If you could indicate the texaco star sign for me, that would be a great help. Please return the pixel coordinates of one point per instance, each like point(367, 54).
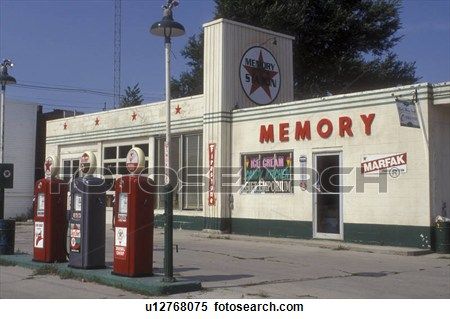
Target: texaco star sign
point(260, 75)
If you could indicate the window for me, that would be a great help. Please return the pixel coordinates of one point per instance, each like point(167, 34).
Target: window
point(192, 179)
point(144, 148)
point(267, 172)
point(186, 160)
point(123, 150)
point(70, 169)
point(110, 153)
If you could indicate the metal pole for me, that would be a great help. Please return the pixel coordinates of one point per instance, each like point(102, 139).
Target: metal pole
point(168, 207)
point(168, 235)
point(2, 120)
point(2, 148)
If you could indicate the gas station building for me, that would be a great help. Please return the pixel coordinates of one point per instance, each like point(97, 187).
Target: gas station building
point(254, 149)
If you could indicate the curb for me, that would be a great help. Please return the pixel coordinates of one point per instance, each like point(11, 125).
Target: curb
point(149, 286)
point(320, 243)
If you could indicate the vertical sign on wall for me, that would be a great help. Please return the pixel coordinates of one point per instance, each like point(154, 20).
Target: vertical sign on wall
point(211, 175)
point(166, 162)
point(303, 172)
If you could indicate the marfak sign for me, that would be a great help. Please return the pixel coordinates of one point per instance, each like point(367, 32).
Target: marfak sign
point(260, 75)
point(302, 130)
point(392, 163)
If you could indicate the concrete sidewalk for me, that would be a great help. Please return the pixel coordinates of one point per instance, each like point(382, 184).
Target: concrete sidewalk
point(149, 285)
point(321, 243)
point(253, 267)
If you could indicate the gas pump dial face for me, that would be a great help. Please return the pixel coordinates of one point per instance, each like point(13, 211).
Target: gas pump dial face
point(88, 162)
point(123, 207)
point(135, 160)
point(123, 203)
point(50, 166)
point(76, 214)
point(40, 204)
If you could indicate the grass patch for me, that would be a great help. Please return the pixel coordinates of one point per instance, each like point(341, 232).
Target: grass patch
point(340, 247)
point(213, 236)
point(7, 263)
point(261, 294)
point(46, 270)
point(307, 296)
point(70, 275)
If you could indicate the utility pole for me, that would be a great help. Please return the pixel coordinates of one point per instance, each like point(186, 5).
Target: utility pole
point(117, 49)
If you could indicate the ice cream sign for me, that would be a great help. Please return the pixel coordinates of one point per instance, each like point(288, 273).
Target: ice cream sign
point(394, 164)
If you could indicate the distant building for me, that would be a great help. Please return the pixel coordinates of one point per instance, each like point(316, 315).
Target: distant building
point(41, 131)
point(20, 149)
point(25, 135)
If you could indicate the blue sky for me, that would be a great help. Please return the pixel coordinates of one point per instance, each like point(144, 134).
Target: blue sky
point(70, 43)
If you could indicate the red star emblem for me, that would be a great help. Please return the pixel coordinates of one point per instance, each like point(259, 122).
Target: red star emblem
point(97, 121)
point(178, 109)
point(133, 116)
point(65, 125)
point(260, 76)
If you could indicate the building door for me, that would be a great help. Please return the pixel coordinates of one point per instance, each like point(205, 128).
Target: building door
point(327, 196)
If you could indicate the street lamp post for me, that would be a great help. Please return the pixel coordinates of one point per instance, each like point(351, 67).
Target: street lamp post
point(168, 28)
point(5, 79)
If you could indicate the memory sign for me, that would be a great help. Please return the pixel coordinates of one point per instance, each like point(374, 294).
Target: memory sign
point(260, 75)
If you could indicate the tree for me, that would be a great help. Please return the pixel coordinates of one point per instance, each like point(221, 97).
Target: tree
point(339, 47)
point(190, 82)
point(132, 97)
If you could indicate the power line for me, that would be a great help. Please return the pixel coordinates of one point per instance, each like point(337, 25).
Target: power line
point(54, 102)
point(117, 49)
point(77, 90)
point(53, 88)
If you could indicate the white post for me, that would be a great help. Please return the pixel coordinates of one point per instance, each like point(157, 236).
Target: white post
point(168, 208)
point(167, 144)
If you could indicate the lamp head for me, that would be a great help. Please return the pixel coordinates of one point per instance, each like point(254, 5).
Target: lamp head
point(167, 27)
point(5, 78)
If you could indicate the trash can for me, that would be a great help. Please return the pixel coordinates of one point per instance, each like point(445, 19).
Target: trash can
point(7, 234)
point(442, 237)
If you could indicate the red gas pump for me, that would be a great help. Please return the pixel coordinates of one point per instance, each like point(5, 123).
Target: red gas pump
point(50, 221)
point(133, 220)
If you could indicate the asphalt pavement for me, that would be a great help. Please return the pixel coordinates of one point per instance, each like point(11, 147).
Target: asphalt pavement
point(254, 267)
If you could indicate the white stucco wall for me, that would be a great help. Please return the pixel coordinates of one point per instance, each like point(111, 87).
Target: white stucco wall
point(440, 150)
point(406, 201)
point(119, 124)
